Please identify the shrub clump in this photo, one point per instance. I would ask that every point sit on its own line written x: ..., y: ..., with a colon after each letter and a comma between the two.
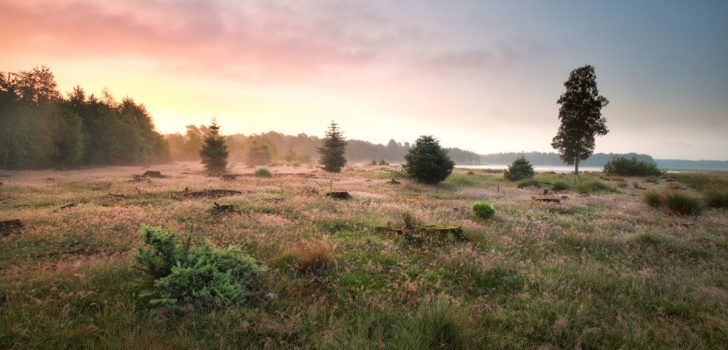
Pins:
x: 519, y: 170
x: 631, y: 167
x: 717, y: 200
x: 310, y: 257
x: 262, y: 172
x: 683, y: 204
x: 653, y: 199
x: 560, y: 185
x: 428, y: 162
x: 483, y: 210
x: 437, y: 325
x: 594, y: 186
x: 201, y: 275
x: 529, y: 183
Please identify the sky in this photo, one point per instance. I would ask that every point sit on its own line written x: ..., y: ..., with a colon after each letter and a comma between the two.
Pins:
x: 479, y: 75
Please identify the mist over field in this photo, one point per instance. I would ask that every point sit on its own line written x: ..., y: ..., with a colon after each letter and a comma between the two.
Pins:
x: 363, y: 174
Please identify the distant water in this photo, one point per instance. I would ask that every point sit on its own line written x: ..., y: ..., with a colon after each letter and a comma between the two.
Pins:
x: 537, y: 168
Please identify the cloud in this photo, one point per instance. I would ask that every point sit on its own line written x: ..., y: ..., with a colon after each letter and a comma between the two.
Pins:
x: 275, y: 37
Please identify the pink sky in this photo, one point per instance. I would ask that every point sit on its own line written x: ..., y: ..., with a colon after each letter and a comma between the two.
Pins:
x: 466, y: 73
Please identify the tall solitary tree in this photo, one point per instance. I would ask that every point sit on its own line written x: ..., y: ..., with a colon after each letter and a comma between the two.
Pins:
x: 581, y: 117
x: 214, y: 151
x: 332, y: 149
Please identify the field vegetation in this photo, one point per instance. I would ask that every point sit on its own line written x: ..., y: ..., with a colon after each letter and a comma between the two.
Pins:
x: 599, y: 268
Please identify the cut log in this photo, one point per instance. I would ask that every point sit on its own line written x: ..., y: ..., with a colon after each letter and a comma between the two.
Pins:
x: 230, y: 177
x: 223, y: 209
x: 339, y: 195
x: 208, y: 193
x: 547, y: 199
x: 445, y: 231
x: 117, y: 196
x: 67, y: 206
x: 154, y: 174
x: 9, y: 226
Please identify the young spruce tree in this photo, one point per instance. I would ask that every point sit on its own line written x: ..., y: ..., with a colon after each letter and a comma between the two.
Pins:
x: 332, y: 149
x: 427, y: 161
x: 214, y: 151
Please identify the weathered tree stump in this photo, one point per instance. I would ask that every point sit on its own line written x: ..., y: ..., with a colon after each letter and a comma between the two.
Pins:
x: 66, y: 206
x: 547, y: 199
x: 207, y: 193
x: 230, y: 177
x: 9, y: 226
x: 152, y: 173
x: 220, y: 209
x: 445, y: 231
x: 343, y: 195
x: 117, y: 196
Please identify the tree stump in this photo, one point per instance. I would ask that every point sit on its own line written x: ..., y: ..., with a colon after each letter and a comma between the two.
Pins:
x: 343, y: 195
x: 223, y: 209
x: 9, y: 226
x: 152, y: 173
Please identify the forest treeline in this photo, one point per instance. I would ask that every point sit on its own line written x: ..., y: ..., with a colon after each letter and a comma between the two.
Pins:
x: 299, y: 148
x: 41, y: 128
x: 552, y: 158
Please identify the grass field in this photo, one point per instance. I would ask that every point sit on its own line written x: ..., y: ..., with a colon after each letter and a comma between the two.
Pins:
x: 601, y: 269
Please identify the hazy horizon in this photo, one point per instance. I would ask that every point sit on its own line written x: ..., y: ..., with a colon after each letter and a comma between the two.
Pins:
x: 480, y: 76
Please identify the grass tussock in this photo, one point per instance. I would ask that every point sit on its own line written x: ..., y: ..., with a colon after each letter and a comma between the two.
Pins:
x: 717, y: 200
x: 683, y: 204
x: 311, y: 257
x: 594, y: 186
x: 263, y: 172
x: 438, y: 324
x: 654, y: 199
x: 529, y: 183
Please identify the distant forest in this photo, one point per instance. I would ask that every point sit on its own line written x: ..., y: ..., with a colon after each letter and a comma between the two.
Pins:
x: 599, y: 159
x: 40, y: 128
x: 299, y: 148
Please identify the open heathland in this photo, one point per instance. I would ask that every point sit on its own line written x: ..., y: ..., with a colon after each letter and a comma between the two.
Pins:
x: 594, y: 266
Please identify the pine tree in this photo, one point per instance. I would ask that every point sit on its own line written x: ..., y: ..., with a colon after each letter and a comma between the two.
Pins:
x: 427, y: 162
x: 332, y: 150
x: 214, y: 151
x: 581, y: 117
x: 519, y: 170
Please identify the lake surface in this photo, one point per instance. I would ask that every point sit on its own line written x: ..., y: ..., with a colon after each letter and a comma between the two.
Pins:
x: 537, y: 168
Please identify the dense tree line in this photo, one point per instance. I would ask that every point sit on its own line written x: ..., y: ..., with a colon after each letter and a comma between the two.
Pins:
x: 39, y: 128
x: 299, y: 148
x: 552, y: 158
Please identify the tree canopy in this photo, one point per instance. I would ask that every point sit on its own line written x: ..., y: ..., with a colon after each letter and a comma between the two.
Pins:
x: 332, y: 149
x: 214, y: 152
x: 39, y: 128
x: 427, y: 162
x: 581, y: 117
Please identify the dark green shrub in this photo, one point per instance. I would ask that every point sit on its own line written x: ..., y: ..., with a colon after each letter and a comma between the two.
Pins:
x: 201, y: 275
x: 519, y: 170
x: 717, y: 200
x: 561, y: 185
x: 483, y: 210
x: 427, y: 162
x: 683, y: 204
x: 263, y: 172
x: 653, y: 199
x: 214, y: 152
x: 631, y: 167
x: 529, y: 183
